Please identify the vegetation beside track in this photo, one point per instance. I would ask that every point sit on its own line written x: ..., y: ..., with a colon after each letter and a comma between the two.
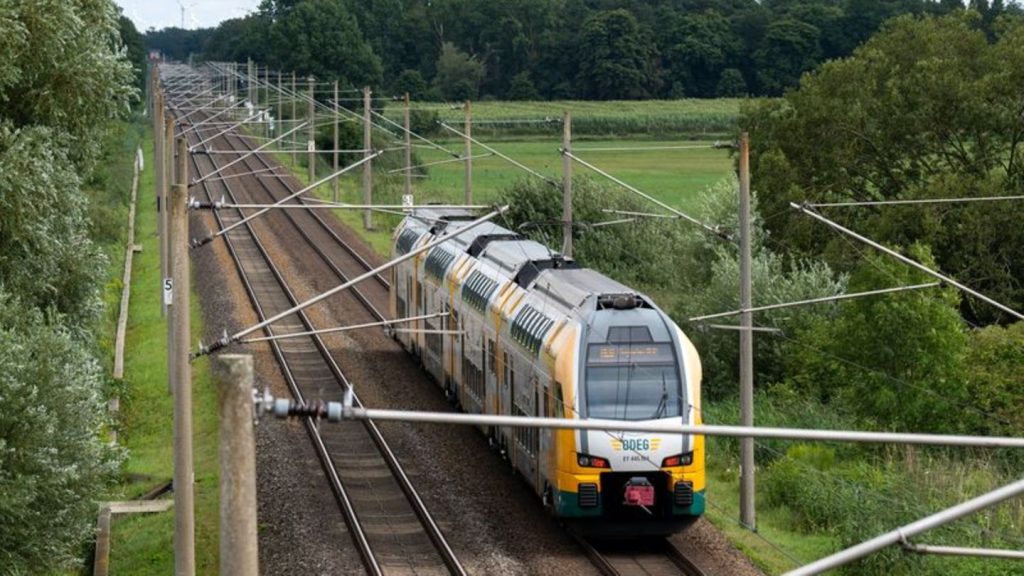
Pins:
x: 144, y: 543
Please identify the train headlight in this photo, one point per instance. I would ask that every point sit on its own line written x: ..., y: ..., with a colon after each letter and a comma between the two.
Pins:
x: 588, y: 461
x: 684, y: 459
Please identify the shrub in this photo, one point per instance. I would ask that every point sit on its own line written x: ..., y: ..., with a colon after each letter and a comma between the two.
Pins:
x: 53, y: 461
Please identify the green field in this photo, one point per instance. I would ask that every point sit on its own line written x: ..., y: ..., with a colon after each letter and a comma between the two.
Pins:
x: 691, y: 117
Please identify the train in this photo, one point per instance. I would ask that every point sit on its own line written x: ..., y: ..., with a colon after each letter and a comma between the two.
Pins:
x: 521, y: 330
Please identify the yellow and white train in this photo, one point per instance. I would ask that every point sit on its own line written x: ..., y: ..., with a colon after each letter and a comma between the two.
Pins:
x: 527, y: 332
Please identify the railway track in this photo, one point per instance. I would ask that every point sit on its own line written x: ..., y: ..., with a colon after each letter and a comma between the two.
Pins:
x: 390, y: 526
x: 638, y: 558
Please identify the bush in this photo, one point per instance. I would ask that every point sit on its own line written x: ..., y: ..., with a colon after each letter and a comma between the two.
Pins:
x: 896, y: 360
x: 53, y: 462
x: 995, y: 377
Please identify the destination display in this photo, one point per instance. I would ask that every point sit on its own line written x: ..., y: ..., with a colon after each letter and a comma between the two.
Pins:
x: 630, y: 354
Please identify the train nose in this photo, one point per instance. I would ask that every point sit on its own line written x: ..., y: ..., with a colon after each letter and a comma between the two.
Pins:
x: 638, y: 491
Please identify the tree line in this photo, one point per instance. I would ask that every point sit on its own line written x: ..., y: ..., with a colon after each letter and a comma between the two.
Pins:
x: 64, y: 79
x: 555, y: 49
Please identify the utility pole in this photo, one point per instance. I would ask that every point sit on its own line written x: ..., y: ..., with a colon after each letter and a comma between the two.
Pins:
x: 184, y: 521
x: 280, y: 107
x: 238, y: 543
x: 249, y: 83
x: 334, y: 183
x: 468, y: 131
x: 158, y: 172
x: 293, y: 118
x: 567, y: 185
x: 367, y: 168
x: 266, y: 101
x: 169, y: 180
x: 408, y: 146
x: 748, y: 517
x: 311, y: 117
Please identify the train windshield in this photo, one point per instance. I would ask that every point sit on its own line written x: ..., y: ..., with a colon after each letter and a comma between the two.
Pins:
x: 632, y: 382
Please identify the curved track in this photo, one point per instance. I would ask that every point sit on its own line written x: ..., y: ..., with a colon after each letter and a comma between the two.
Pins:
x: 389, y: 523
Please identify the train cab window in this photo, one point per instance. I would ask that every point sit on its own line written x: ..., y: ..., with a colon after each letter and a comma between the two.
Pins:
x: 559, y: 401
x: 632, y: 382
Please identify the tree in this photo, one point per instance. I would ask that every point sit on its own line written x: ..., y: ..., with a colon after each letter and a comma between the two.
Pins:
x: 940, y: 120
x: 135, y: 51
x: 731, y: 84
x: 522, y: 88
x: 616, y: 58
x: 897, y: 360
x: 411, y: 82
x: 458, y: 74
x: 53, y: 459
x: 60, y: 69
x: 700, y: 47
x: 789, y: 48
x: 321, y: 38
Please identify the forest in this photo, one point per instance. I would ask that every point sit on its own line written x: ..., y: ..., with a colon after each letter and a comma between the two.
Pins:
x: 562, y: 49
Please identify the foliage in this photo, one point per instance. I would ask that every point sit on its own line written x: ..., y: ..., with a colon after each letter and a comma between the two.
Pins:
x: 322, y: 38
x: 47, y: 259
x: 914, y: 343
x: 616, y: 61
x: 940, y: 120
x: 52, y: 457
x: 712, y: 284
x: 458, y: 74
x: 995, y: 377
x: 135, y: 52
x: 522, y: 87
x: 592, y: 48
x: 60, y: 68
x: 634, y: 254
x: 411, y: 82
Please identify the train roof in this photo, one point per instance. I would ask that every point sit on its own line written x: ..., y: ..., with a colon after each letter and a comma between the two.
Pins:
x: 575, y: 287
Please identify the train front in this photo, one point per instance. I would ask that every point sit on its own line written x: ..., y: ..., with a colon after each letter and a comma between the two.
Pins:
x: 634, y: 365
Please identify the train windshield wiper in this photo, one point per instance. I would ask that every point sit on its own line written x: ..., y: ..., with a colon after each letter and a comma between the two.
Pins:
x: 663, y: 404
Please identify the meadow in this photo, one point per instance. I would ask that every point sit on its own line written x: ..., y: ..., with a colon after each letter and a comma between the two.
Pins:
x: 693, y: 118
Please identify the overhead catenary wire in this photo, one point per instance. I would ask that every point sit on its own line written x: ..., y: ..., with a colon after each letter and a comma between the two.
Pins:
x: 514, y: 162
x: 448, y: 161
x: 821, y: 300
x: 228, y: 339
x: 904, y: 259
x: 335, y: 330
x: 262, y: 211
x: 913, y: 201
x: 247, y: 154
x: 709, y: 228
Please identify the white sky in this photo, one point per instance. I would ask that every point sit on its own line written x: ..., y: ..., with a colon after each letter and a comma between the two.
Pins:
x: 198, y: 13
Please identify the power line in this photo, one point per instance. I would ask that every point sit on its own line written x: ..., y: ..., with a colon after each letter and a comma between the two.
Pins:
x: 905, y: 260
x: 916, y: 201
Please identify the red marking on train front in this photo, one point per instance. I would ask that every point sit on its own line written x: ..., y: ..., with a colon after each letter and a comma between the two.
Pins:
x: 639, y: 492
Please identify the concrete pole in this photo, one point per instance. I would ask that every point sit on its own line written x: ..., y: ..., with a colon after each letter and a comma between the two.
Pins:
x: 169, y: 180
x: 468, y: 131
x: 249, y: 83
x: 748, y: 516
x: 367, y: 167
x: 334, y: 183
x: 238, y: 542
x: 311, y: 117
x: 266, y: 100
x: 294, y: 141
x: 280, y: 106
x: 184, y: 521
x: 158, y: 172
x: 408, y: 146
x: 567, y: 185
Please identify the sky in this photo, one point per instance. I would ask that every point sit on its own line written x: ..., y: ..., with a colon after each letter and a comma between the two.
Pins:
x: 198, y: 13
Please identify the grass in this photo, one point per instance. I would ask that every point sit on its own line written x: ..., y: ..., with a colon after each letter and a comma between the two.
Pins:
x: 676, y: 177
x: 774, y: 546
x: 143, y: 544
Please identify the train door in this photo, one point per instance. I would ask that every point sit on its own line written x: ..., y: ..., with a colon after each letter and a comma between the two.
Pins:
x: 433, y: 358
x: 454, y: 349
